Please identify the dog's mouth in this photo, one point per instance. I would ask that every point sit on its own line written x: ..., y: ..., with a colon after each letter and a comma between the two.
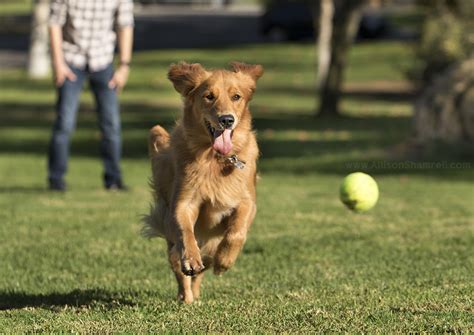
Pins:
x: 221, y: 139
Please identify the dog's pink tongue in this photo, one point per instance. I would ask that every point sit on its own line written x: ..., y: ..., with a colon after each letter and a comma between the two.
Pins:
x: 223, y: 142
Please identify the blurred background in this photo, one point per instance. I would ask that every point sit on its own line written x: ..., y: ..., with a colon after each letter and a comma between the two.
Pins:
x: 380, y: 86
x: 401, y: 46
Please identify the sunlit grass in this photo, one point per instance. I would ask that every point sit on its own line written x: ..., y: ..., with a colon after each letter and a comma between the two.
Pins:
x: 15, y: 7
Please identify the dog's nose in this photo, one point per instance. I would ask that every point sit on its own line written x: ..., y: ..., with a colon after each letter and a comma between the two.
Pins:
x: 226, y: 121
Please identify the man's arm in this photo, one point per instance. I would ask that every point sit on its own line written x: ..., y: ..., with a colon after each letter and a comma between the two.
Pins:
x: 56, y: 22
x: 125, y: 41
x: 125, y: 44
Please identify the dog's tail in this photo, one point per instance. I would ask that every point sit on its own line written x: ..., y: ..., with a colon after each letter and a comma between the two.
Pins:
x: 158, y: 140
x: 153, y: 223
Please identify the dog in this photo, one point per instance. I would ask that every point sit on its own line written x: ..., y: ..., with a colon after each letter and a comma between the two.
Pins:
x: 204, y: 173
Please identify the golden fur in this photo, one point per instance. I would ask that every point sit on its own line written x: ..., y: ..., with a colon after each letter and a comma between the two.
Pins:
x: 203, y: 205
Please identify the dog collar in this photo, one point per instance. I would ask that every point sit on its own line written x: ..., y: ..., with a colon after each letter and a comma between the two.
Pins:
x: 235, y: 161
x: 231, y: 160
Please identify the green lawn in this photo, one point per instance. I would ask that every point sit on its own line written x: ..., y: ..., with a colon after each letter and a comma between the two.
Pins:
x: 15, y: 7
x: 76, y: 263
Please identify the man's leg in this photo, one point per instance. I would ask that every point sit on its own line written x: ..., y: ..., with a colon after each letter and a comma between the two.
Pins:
x: 66, y: 111
x: 109, y: 124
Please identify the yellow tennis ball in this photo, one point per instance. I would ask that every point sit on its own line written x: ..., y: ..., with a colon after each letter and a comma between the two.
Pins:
x: 359, y: 192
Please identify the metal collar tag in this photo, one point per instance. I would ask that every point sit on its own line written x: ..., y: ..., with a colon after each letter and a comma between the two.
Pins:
x: 235, y: 161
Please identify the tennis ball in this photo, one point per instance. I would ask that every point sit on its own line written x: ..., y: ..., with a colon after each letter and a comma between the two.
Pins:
x: 359, y: 192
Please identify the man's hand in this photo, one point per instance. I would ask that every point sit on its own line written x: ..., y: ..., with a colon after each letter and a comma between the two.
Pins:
x: 60, y: 68
x: 120, y: 78
x: 61, y: 73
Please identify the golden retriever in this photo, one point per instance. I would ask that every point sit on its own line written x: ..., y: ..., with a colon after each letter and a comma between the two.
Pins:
x: 204, y: 173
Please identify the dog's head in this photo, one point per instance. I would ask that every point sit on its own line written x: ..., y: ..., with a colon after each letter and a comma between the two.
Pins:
x: 218, y: 100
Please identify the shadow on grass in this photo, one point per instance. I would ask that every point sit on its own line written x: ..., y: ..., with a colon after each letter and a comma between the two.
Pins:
x: 353, y: 94
x: 286, y: 120
x: 75, y: 298
x: 137, y: 119
x: 290, y: 142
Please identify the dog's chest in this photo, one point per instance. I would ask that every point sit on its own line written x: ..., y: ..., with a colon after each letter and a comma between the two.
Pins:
x: 217, y: 205
x: 220, y: 191
x: 221, y: 196
x: 213, y: 215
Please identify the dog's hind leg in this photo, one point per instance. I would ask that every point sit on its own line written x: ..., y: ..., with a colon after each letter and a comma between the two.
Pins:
x: 196, y: 284
x: 197, y: 279
x: 185, y: 292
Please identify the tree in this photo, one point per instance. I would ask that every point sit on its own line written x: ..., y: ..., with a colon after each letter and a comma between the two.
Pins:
x: 447, y: 36
x: 445, y: 109
x: 324, y: 40
x: 38, y: 59
x: 337, y: 25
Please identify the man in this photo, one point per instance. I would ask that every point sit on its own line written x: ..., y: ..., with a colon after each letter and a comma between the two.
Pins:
x: 82, y: 34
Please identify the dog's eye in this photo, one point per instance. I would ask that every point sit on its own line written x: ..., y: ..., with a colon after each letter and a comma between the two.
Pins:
x: 210, y: 96
x: 236, y: 97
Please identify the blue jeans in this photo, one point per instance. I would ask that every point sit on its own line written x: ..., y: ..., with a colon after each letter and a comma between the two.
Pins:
x: 109, y: 124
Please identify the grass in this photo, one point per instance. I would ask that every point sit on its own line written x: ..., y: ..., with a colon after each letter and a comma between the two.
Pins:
x: 76, y: 263
x: 15, y: 7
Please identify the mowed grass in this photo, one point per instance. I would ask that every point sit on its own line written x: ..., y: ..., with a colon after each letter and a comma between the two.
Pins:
x: 75, y: 262
x: 15, y: 7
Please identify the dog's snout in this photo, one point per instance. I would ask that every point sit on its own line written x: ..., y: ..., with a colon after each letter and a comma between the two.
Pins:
x: 226, y: 121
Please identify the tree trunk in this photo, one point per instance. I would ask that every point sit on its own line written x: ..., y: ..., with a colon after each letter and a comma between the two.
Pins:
x: 445, y: 109
x: 324, y: 40
x: 38, y: 59
x: 344, y: 26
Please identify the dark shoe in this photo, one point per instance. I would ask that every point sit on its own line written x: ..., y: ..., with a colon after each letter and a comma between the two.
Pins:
x: 57, y: 185
x: 118, y: 186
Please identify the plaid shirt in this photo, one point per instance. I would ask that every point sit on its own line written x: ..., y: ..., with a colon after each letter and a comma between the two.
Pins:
x: 88, y: 29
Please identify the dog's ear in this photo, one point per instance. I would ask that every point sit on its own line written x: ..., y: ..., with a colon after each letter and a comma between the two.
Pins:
x: 254, y: 71
x: 186, y: 77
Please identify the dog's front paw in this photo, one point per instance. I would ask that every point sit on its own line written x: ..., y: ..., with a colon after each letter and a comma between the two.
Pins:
x: 191, y: 263
x: 222, y: 264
